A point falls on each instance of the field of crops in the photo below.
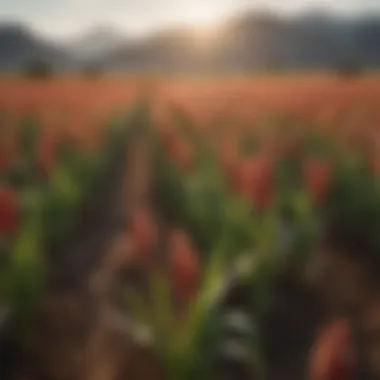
(178, 229)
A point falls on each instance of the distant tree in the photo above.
(38, 69)
(93, 71)
(349, 70)
(274, 66)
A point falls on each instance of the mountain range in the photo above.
(247, 42)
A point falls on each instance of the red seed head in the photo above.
(317, 175)
(256, 178)
(183, 156)
(230, 163)
(179, 152)
(331, 357)
(184, 265)
(8, 211)
(144, 236)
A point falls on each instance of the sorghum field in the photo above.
(190, 229)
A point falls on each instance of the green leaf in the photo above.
(27, 272)
(186, 126)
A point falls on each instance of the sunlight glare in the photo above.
(200, 14)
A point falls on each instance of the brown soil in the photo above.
(78, 334)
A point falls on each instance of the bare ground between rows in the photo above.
(77, 334)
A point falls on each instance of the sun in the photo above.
(203, 23)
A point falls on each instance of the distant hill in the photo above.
(96, 43)
(249, 42)
(19, 47)
(258, 41)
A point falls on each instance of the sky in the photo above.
(65, 18)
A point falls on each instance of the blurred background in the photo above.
(219, 36)
(189, 189)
